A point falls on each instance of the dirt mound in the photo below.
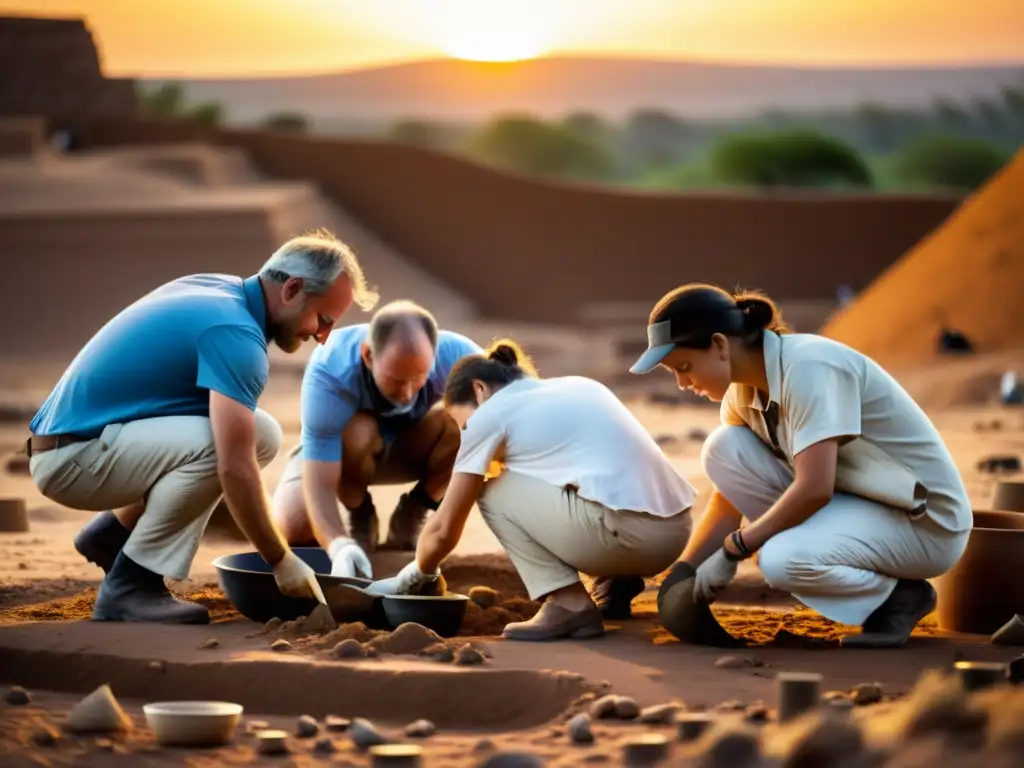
(968, 274)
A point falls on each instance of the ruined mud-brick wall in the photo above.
(525, 249)
(51, 68)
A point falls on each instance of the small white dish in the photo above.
(193, 723)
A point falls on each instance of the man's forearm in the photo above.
(719, 519)
(247, 501)
(324, 513)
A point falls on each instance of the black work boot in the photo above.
(101, 539)
(406, 523)
(892, 622)
(614, 594)
(364, 526)
(133, 593)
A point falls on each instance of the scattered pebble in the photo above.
(273, 625)
(467, 656)
(603, 707)
(209, 643)
(439, 652)
(579, 729)
(280, 645)
(409, 639)
(731, 705)
(484, 745)
(867, 693)
(17, 696)
(348, 649)
(660, 714)
(324, 746)
(485, 597)
(335, 724)
(732, 747)
(756, 713)
(364, 734)
(420, 729)
(45, 736)
(306, 726)
(253, 726)
(272, 742)
(99, 712)
(513, 760)
(737, 662)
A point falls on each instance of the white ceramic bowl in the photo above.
(193, 723)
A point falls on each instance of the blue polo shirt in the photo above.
(162, 355)
(337, 385)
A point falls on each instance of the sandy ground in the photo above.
(520, 697)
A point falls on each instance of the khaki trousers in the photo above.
(170, 462)
(552, 535)
(845, 559)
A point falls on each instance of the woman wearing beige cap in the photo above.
(582, 487)
(852, 498)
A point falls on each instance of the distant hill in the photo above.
(454, 90)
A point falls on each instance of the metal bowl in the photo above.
(442, 613)
(248, 581)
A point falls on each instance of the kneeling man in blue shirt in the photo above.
(156, 418)
(371, 416)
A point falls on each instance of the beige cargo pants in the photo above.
(552, 535)
(170, 462)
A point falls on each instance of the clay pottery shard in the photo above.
(99, 712)
(691, 622)
(13, 516)
(984, 588)
(1009, 496)
(1011, 633)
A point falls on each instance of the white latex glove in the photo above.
(408, 580)
(713, 575)
(348, 558)
(296, 579)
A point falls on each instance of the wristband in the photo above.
(731, 557)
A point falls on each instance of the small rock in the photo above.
(626, 708)
(579, 729)
(272, 742)
(756, 713)
(660, 714)
(306, 726)
(22, 566)
(324, 746)
(484, 745)
(348, 649)
(156, 666)
(420, 729)
(409, 638)
(603, 707)
(485, 597)
(17, 696)
(467, 655)
(273, 625)
(513, 760)
(280, 646)
(736, 662)
(335, 724)
(439, 652)
(209, 643)
(45, 736)
(253, 726)
(867, 693)
(730, 747)
(364, 734)
(732, 705)
(99, 712)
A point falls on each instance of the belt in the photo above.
(42, 443)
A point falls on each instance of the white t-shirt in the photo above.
(573, 431)
(825, 390)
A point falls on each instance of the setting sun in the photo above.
(493, 30)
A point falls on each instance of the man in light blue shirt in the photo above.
(156, 418)
(370, 417)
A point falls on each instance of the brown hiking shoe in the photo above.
(554, 622)
(364, 526)
(892, 622)
(406, 524)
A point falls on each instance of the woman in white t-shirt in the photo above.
(581, 487)
(852, 498)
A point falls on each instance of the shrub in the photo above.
(948, 161)
(530, 146)
(789, 159)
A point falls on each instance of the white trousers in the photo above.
(552, 535)
(169, 462)
(844, 560)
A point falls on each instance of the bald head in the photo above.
(399, 352)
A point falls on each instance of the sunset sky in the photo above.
(238, 37)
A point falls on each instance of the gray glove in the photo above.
(713, 575)
(408, 581)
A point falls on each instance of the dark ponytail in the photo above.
(502, 363)
(760, 313)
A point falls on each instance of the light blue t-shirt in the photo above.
(162, 355)
(337, 385)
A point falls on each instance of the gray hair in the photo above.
(318, 258)
(399, 321)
